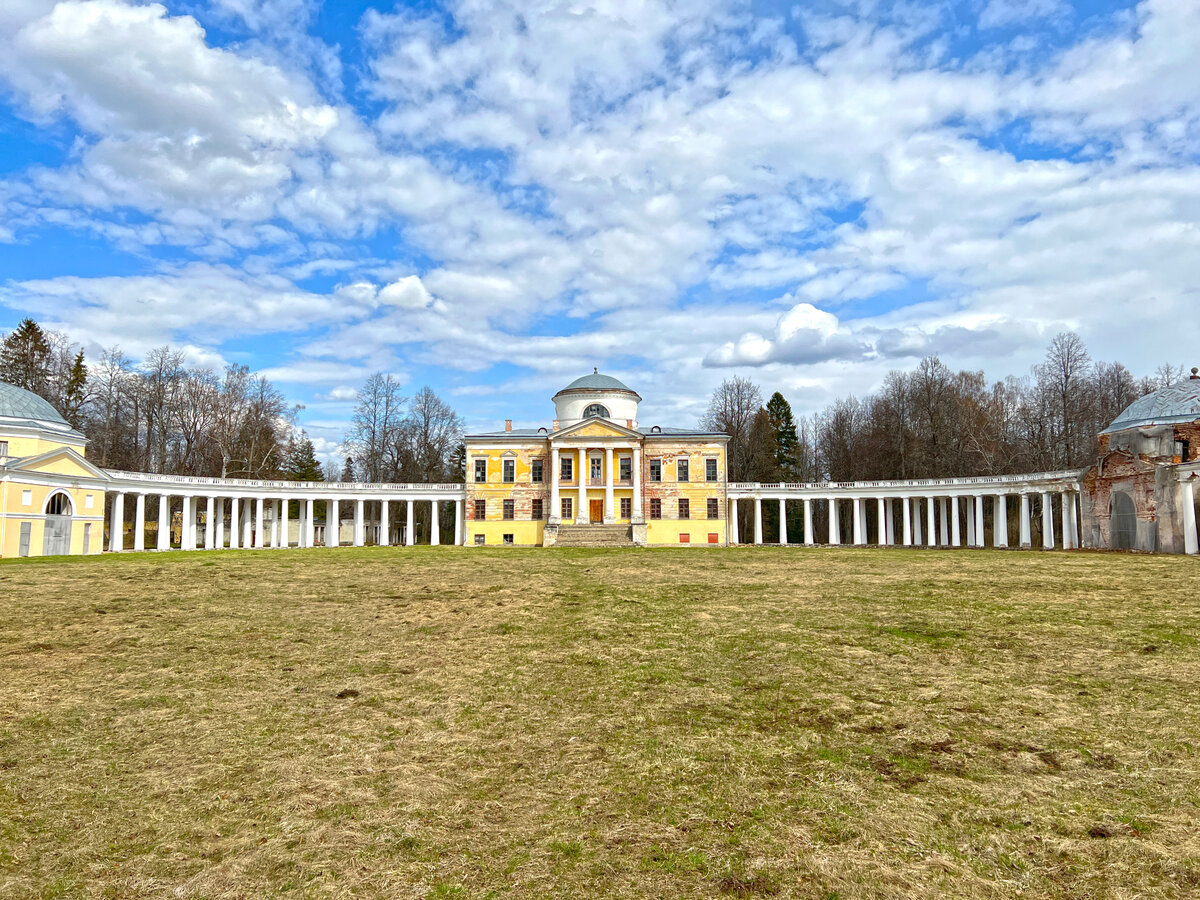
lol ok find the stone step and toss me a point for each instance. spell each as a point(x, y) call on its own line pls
point(595, 535)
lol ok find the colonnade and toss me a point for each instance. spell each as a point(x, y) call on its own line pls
point(933, 520)
point(212, 520)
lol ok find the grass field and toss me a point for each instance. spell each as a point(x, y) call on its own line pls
point(443, 722)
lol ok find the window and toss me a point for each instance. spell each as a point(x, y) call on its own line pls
point(481, 470)
point(714, 508)
point(480, 539)
point(681, 469)
point(3, 448)
point(685, 509)
point(535, 471)
point(509, 509)
point(58, 505)
point(89, 501)
point(713, 538)
point(481, 509)
point(626, 508)
point(567, 468)
point(566, 508)
point(597, 467)
point(710, 469)
point(508, 538)
point(535, 510)
point(596, 410)
point(626, 469)
point(509, 473)
point(656, 508)
point(685, 539)
point(656, 470)
point(27, 498)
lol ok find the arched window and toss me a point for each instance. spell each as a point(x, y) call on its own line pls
point(59, 504)
point(1122, 526)
point(596, 410)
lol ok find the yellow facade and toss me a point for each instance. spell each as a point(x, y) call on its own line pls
point(26, 490)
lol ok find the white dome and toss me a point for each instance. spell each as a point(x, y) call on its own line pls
point(596, 396)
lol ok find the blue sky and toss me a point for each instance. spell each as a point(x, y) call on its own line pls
point(492, 198)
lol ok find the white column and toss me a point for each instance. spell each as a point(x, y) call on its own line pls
point(889, 507)
point(835, 525)
point(460, 533)
point(235, 522)
point(1068, 544)
point(1026, 540)
point(385, 527)
point(917, 536)
point(555, 501)
point(783, 520)
point(858, 521)
point(734, 537)
point(164, 522)
point(278, 536)
point(906, 528)
point(1191, 543)
point(260, 537)
point(210, 514)
point(1000, 520)
point(333, 524)
point(139, 522)
point(409, 538)
point(359, 532)
point(581, 514)
point(248, 524)
point(116, 524)
point(955, 522)
point(310, 528)
point(970, 523)
point(609, 516)
point(637, 483)
point(808, 529)
point(435, 526)
point(979, 532)
point(881, 511)
point(188, 541)
point(1047, 521)
point(758, 520)
point(931, 522)
point(945, 524)
point(284, 538)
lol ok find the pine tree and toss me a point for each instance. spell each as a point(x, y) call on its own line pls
point(25, 357)
point(74, 392)
point(302, 462)
point(348, 470)
point(783, 429)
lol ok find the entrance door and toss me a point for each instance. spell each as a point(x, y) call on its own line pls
point(595, 511)
point(58, 536)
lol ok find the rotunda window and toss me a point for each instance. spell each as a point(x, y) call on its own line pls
point(596, 410)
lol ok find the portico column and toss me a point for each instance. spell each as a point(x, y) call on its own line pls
point(637, 482)
point(235, 523)
point(783, 520)
point(385, 528)
point(835, 525)
point(116, 526)
point(359, 530)
point(758, 520)
point(931, 522)
point(581, 514)
point(858, 521)
point(555, 502)
point(1000, 520)
point(608, 485)
point(188, 539)
point(164, 522)
point(881, 511)
point(808, 529)
point(1068, 531)
point(260, 537)
point(460, 533)
point(1191, 543)
point(906, 534)
point(1047, 521)
point(734, 537)
point(409, 537)
point(333, 524)
point(209, 522)
point(1025, 529)
point(285, 539)
point(139, 523)
point(955, 522)
point(435, 527)
point(979, 542)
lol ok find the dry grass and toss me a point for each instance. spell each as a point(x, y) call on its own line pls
point(440, 722)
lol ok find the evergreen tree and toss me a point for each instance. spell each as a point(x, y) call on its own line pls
point(25, 357)
point(783, 432)
point(348, 470)
point(74, 392)
point(302, 462)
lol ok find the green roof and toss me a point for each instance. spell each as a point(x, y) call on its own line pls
point(597, 382)
point(28, 408)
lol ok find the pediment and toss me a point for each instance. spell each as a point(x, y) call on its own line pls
point(61, 461)
point(596, 428)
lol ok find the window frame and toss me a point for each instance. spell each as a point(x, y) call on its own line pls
point(508, 470)
point(536, 509)
point(710, 462)
point(685, 473)
point(714, 508)
point(626, 507)
point(684, 508)
point(566, 468)
point(509, 510)
point(655, 508)
point(480, 510)
point(481, 461)
point(656, 468)
point(566, 508)
point(625, 468)
point(537, 470)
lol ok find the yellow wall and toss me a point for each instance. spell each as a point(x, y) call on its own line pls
point(666, 532)
point(22, 446)
point(16, 511)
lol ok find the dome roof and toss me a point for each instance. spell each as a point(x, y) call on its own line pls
point(18, 403)
point(596, 382)
point(1179, 402)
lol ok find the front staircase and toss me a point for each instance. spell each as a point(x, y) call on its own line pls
point(594, 536)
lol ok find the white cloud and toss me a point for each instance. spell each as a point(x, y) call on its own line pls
point(999, 13)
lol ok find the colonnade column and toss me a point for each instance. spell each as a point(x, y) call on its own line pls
point(555, 502)
point(881, 510)
point(385, 527)
point(460, 534)
point(734, 537)
point(139, 523)
point(917, 538)
point(187, 537)
point(783, 539)
point(979, 542)
point(435, 527)
point(581, 514)
point(757, 520)
point(309, 526)
point(1068, 514)
point(333, 524)
point(931, 521)
point(164, 522)
point(637, 483)
point(954, 523)
point(1000, 520)
point(210, 514)
point(281, 514)
point(1047, 521)
point(1025, 539)
point(409, 537)
point(1191, 543)
point(858, 520)
point(235, 526)
point(808, 529)
point(944, 534)
point(116, 525)
point(248, 524)
point(890, 508)
point(260, 538)
point(359, 525)
point(970, 523)
point(835, 525)
point(906, 534)
point(609, 515)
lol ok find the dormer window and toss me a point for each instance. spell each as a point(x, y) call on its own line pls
point(596, 411)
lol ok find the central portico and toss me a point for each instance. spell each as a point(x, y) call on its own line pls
point(595, 475)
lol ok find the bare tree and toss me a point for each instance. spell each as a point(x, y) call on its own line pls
point(377, 427)
point(731, 411)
